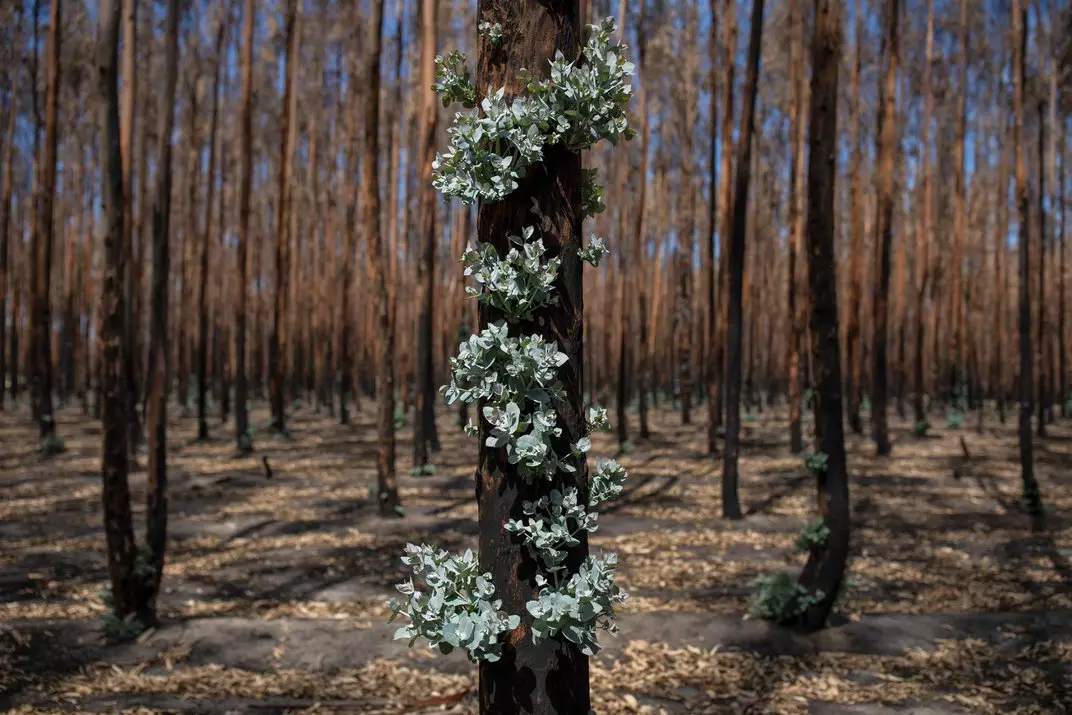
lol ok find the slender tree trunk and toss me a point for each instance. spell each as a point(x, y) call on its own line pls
point(7, 183)
point(639, 299)
point(156, 506)
point(924, 239)
point(886, 151)
point(277, 345)
point(118, 523)
point(1062, 301)
point(43, 236)
point(424, 424)
point(726, 151)
point(957, 381)
point(243, 435)
point(825, 569)
point(133, 273)
point(387, 489)
point(1040, 331)
point(795, 219)
point(731, 506)
point(206, 237)
point(551, 677)
point(853, 355)
point(1031, 496)
point(711, 376)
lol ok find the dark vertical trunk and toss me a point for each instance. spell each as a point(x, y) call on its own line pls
point(551, 677)
point(795, 306)
point(1040, 329)
point(1031, 497)
point(243, 436)
point(711, 379)
point(6, 185)
point(731, 507)
point(923, 241)
point(387, 489)
point(1062, 275)
point(956, 294)
point(277, 344)
point(132, 277)
point(118, 524)
point(43, 239)
point(206, 237)
point(156, 505)
point(639, 299)
point(826, 563)
point(424, 425)
point(886, 151)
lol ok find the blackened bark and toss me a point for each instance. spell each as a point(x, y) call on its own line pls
point(886, 137)
point(43, 236)
point(795, 305)
point(923, 241)
point(118, 524)
point(826, 564)
point(551, 677)
point(156, 504)
point(731, 506)
point(6, 180)
point(1040, 331)
point(424, 424)
point(853, 357)
point(1032, 498)
point(205, 273)
point(277, 345)
point(243, 436)
point(387, 488)
point(711, 378)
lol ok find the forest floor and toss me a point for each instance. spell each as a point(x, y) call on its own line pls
point(274, 589)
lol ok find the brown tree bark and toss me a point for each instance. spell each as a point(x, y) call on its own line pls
point(7, 184)
point(924, 238)
point(1040, 330)
point(277, 345)
point(638, 300)
point(710, 273)
point(387, 488)
point(424, 423)
point(795, 218)
point(156, 504)
point(825, 568)
point(886, 150)
point(551, 677)
point(44, 228)
point(853, 357)
point(206, 236)
point(1031, 496)
point(957, 382)
point(731, 506)
point(243, 435)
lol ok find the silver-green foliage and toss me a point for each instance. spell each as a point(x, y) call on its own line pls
point(492, 144)
point(815, 461)
point(780, 598)
point(813, 535)
point(516, 376)
point(456, 610)
point(577, 608)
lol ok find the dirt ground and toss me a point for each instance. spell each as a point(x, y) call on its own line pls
point(274, 589)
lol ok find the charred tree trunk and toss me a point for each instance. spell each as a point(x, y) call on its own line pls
point(1040, 330)
point(277, 344)
point(243, 435)
point(886, 151)
point(156, 506)
point(795, 219)
point(118, 523)
point(206, 238)
point(731, 506)
point(387, 488)
point(424, 423)
point(551, 677)
point(826, 563)
point(924, 240)
point(7, 182)
point(711, 276)
point(1031, 496)
point(43, 238)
